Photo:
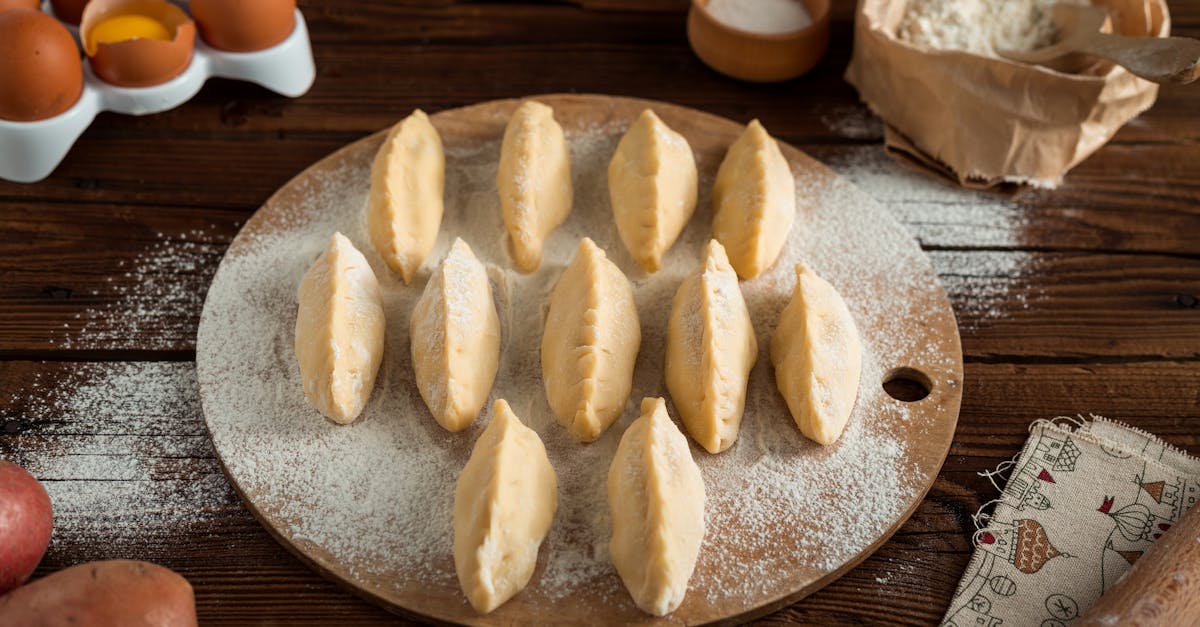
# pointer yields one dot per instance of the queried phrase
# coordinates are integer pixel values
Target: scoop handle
(1161, 588)
(1158, 59)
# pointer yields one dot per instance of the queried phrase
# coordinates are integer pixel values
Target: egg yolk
(126, 27)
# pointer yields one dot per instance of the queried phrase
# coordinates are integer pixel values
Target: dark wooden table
(1085, 299)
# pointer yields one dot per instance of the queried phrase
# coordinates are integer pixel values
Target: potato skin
(116, 592)
(26, 520)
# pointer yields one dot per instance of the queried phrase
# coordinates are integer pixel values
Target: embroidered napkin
(1084, 500)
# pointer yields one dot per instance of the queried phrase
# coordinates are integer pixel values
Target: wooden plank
(351, 98)
(1018, 267)
(1073, 306)
(144, 157)
(122, 450)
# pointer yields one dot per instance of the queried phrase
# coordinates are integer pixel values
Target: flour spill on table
(117, 448)
(852, 122)
(378, 494)
(160, 291)
(980, 283)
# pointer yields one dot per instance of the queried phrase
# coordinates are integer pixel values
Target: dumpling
(339, 331)
(404, 208)
(455, 335)
(534, 180)
(817, 356)
(754, 202)
(504, 502)
(656, 495)
(710, 351)
(590, 344)
(652, 186)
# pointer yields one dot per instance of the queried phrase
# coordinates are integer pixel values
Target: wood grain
(1024, 265)
(930, 345)
(241, 574)
(1082, 299)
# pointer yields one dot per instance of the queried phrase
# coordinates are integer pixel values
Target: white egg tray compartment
(29, 151)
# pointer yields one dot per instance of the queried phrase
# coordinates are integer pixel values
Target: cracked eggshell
(139, 62)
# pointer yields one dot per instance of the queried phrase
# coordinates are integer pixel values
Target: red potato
(103, 594)
(25, 523)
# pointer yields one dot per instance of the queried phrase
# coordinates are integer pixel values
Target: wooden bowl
(758, 57)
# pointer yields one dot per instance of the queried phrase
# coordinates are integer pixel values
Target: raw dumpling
(710, 351)
(754, 202)
(590, 343)
(534, 180)
(503, 505)
(656, 495)
(652, 186)
(339, 331)
(404, 209)
(455, 335)
(817, 357)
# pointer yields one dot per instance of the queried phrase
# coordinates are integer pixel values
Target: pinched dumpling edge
(709, 387)
(655, 165)
(656, 496)
(457, 327)
(598, 373)
(754, 172)
(533, 180)
(404, 216)
(493, 522)
(339, 295)
(821, 397)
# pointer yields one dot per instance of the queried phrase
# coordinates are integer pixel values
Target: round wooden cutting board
(368, 504)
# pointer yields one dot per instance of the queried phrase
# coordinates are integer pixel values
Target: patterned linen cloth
(1083, 501)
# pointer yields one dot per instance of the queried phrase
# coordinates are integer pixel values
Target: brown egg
(244, 25)
(137, 43)
(19, 4)
(41, 75)
(69, 11)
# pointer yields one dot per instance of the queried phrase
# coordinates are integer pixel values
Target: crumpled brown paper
(983, 121)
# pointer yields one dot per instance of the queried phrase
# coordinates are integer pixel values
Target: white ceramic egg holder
(29, 151)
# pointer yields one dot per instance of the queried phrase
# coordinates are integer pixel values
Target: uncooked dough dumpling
(504, 502)
(455, 339)
(652, 187)
(710, 351)
(817, 356)
(404, 209)
(534, 180)
(754, 202)
(590, 343)
(656, 495)
(339, 331)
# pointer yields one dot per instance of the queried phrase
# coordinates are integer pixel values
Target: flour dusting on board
(378, 494)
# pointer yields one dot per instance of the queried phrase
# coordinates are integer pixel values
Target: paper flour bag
(982, 120)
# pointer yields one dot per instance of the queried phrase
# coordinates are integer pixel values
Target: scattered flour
(123, 453)
(853, 122)
(978, 26)
(376, 497)
(768, 17)
(161, 292)
(949, 220)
